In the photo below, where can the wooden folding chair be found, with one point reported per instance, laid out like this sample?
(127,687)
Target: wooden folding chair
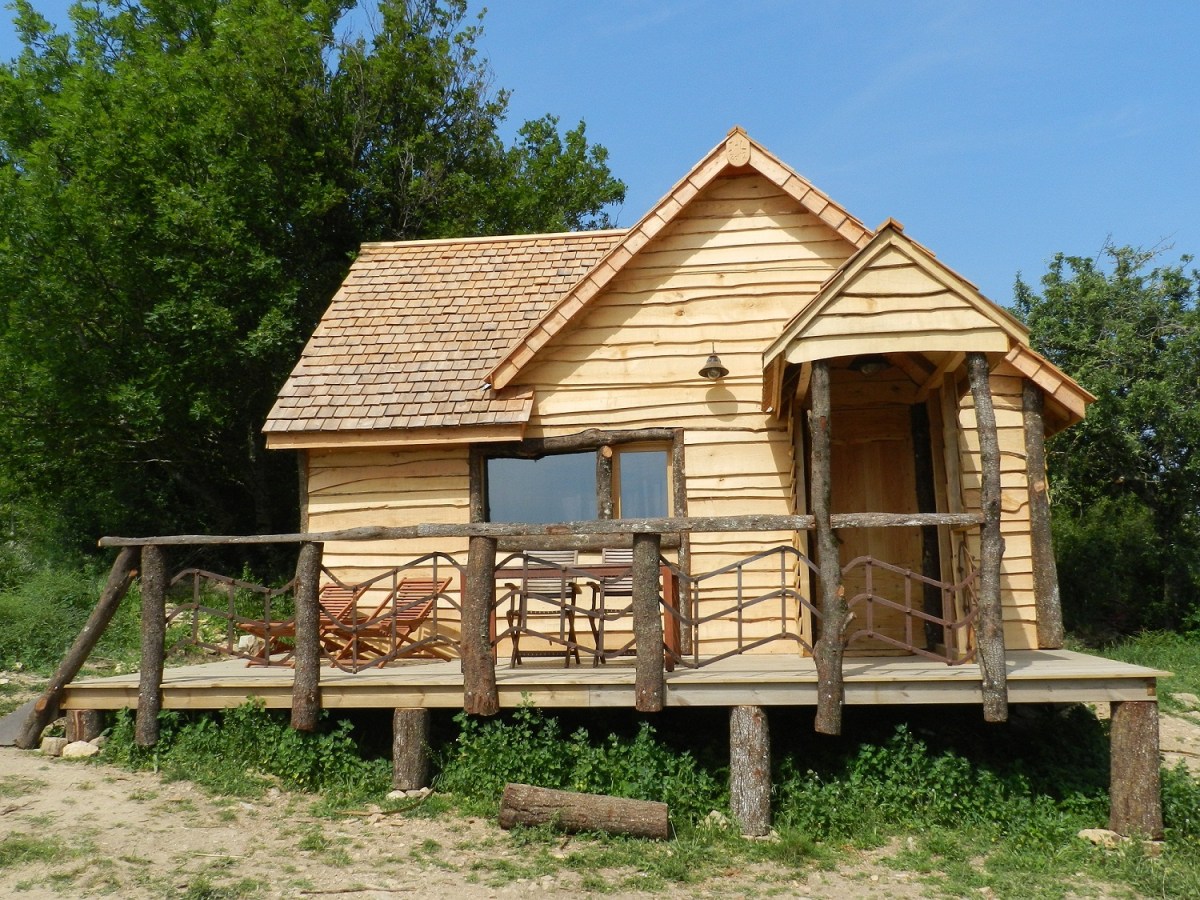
(394,622)
(609,590)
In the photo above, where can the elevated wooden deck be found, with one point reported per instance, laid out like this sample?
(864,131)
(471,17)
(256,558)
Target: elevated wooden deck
(764,679)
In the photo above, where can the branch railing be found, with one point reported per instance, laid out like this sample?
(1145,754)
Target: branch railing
(656,648)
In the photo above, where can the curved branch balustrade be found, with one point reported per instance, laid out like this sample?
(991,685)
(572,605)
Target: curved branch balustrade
(915,618)
(196,614)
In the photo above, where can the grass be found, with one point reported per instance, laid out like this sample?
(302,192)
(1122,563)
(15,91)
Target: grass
(1175,653)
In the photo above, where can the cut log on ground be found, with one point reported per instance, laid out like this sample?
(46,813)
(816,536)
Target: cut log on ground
(524,804)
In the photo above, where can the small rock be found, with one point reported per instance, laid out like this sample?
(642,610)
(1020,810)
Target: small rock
(419,793)
(79,750)
(53,746)
(1101,837)
(1191,701)
(396,795)
(716,819)
(101,742)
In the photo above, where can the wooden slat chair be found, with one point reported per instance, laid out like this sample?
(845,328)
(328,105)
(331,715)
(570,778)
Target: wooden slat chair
(545,597)
(336,603)
(405,610)
(610,593)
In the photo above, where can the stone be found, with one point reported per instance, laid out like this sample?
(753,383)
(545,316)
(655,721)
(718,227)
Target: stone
(1191,701)
(1101,837)
(53,746)
(79,750)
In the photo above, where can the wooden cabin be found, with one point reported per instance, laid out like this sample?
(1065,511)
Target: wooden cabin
(742,440)
(557,377)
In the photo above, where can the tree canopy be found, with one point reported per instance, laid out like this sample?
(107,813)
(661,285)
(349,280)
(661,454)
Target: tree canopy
(1127,479)
(183,184)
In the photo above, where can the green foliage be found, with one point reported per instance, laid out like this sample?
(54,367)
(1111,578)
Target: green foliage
(902,786)
(1167,651)
(247,749)
(44,612)
(182,186)
(1131,335)
(528,747)
(17,849)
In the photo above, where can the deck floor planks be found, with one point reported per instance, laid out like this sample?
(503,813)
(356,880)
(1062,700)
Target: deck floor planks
(1034,676)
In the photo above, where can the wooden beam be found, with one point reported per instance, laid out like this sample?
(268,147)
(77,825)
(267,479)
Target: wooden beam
(306,679)
(604,483)
(479,598)
(154,632)
(990,629)
(1135,789)
(590,439)
(834,613)
(949,363)
(1047,601)
(46,709)
(679,508)
(750,769)
(669,525)
(525,804)
(649,678)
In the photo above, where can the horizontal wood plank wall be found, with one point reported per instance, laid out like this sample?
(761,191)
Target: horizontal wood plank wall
(892,306)
(349,488)
(1016,567)
(729,275)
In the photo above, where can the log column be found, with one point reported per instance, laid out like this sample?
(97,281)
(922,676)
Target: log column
(45,710)
(154,633)
(1135,790)
(990,631)
(410,749)
(834,612)
(306,682)
(1045,572)
(750,769)
(480,697)
(649,680)
(84,724)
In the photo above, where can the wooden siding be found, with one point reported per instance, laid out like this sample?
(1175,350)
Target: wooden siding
(894,305)
(739,263)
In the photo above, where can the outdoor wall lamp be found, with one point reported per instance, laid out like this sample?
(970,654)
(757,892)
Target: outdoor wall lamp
(712,369)
(870,364)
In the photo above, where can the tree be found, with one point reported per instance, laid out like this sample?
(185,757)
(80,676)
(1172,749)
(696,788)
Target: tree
(1127,479)
(182,186)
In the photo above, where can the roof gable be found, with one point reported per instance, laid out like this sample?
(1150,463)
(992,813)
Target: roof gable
(738,153)
(894,288)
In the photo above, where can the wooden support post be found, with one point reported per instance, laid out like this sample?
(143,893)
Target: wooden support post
(306,680)
(1135,791)
(480,697)
(649,681)
(604,482)
(931,554)
(45,710)
(834,614)
(84,724)
(524,804)
(990,631)
(750,769)
(410,749)
(1046,598)
(154,633)
(679,507)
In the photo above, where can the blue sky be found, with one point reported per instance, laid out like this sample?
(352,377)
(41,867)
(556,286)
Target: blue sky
(998,133)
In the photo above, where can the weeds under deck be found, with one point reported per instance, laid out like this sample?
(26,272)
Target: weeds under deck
(764,679)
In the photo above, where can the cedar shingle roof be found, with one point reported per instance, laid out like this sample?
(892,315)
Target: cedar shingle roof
(412,334)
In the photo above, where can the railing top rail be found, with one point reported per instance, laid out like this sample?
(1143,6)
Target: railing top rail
(671,525)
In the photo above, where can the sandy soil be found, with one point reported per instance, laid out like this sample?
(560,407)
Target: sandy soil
(133,835)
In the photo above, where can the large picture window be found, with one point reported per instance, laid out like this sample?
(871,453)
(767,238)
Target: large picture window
(570,487)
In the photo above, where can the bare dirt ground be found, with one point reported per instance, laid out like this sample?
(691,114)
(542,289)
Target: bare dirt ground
(113,833)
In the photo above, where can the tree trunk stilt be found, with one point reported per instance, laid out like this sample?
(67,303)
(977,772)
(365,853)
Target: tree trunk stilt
(649,678)
(750,769)
(480,697)
(1135,789)
(306,681)
(990,629)
(834,613)
(1045,571)
(154,633)
(410,749)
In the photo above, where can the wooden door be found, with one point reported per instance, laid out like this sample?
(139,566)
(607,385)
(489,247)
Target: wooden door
(873,471)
